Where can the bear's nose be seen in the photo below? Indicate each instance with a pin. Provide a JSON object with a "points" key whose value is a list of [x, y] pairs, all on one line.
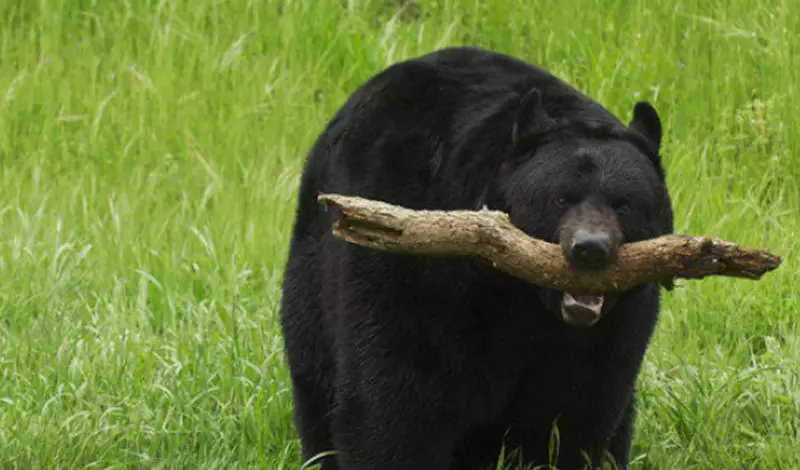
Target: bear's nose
{"points": [[591, 249]]}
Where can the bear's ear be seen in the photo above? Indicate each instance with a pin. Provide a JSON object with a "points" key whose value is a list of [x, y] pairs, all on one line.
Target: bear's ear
{"points": [[645, 121], [531, 116]]}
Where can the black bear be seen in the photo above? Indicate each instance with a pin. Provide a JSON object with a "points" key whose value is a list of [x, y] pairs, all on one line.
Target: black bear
{"points": [[412, 362]]}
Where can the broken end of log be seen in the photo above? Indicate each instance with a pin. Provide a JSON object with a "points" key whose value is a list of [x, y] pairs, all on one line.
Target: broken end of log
{"points": [[721, 257]]}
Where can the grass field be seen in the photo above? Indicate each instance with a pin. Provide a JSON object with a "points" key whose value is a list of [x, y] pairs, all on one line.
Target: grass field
{"points": [[149, 161]]}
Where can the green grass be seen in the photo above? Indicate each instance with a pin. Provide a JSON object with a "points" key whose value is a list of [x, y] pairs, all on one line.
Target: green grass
{"points": [[149, 161]]}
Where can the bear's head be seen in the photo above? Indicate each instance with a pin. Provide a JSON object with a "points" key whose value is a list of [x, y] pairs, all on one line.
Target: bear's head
{"points": [[589, 186]]}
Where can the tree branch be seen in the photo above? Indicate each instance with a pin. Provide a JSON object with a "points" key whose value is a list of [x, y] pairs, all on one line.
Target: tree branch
{"points": [[490, 235]]}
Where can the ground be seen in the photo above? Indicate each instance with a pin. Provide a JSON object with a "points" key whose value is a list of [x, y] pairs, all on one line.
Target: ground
{"points": [[149, 161]]}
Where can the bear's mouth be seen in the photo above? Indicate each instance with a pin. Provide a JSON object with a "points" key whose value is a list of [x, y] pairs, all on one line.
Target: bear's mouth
{"points": [[581, 310]]}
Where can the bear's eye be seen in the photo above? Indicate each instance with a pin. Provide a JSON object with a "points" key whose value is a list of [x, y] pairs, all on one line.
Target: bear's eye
{"points": [[561, 201], [622, 207]]}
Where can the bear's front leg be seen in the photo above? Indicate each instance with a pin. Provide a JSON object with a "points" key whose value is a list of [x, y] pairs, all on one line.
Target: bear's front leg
{"points": [[391, 423], [620, 446], [422, 358]]}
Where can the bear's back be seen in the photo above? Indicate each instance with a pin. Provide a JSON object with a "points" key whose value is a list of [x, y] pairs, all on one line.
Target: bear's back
{"points": [[428, 132]]}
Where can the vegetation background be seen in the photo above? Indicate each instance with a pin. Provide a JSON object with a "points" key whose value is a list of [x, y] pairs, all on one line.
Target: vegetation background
{"points": [[149, 161]]}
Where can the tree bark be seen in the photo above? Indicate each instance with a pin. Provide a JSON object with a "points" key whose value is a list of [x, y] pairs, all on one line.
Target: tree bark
{"points": [[490, 235]]}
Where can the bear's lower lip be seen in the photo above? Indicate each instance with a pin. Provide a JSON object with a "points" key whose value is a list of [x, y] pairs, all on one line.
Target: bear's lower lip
{"points": [[581, 310]]}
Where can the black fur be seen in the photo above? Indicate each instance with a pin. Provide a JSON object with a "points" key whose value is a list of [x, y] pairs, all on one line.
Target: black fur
{"points": [[405, 362]]}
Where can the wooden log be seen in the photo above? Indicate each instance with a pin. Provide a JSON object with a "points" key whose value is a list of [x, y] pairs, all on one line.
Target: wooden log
{"points": [[490, 235]]}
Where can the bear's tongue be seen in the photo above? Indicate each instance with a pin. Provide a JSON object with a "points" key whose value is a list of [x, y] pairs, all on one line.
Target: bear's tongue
{"points": [[582, 309], [590, 301]]}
